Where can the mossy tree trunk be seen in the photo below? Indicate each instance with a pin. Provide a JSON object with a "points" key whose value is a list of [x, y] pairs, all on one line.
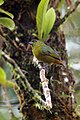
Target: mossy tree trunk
{"points": [[61, 79]]}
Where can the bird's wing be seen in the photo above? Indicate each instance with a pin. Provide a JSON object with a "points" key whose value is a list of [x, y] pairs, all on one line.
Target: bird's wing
{"points": [[46, 50]]}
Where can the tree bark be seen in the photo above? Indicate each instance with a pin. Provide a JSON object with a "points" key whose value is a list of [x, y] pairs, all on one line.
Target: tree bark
{"points": [[61, 80]]}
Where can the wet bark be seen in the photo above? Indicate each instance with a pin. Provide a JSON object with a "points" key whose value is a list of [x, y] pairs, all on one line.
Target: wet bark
{"points": [[61, 90]]}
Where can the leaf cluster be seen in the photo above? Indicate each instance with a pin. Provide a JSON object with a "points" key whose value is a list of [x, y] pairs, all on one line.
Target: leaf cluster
{"points": [[45, 19], [6, 21]]}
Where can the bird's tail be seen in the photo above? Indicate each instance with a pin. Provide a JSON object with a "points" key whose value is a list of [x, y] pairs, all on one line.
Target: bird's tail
{"points": [[59, 62]]}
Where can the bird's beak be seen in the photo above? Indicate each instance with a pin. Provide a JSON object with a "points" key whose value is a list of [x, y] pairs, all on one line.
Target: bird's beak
{"points": [[31, 43]]}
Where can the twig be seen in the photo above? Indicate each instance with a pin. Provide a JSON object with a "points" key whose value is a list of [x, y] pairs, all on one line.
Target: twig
{"points": [[61, 21], [10, 60], [68, 2]]}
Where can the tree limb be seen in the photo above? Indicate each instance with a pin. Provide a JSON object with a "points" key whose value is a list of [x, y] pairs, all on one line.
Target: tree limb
{"points": [[61, 21]]}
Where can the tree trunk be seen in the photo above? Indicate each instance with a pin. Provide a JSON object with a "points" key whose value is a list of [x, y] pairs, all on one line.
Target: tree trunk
{"points": [[61, 80]]}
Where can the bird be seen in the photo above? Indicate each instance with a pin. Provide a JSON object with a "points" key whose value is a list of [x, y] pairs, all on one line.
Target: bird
{"points": [[45, 53]]}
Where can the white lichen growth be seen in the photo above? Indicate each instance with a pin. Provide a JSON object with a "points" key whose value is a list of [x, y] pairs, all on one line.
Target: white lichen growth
{"points": [[44, 82]]}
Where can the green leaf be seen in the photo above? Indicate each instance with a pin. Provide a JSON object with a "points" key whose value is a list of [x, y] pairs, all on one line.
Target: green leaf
{"points": [[77, 109], [2, 75], [49, 19], [7, 13], [1, 2], [3, 80], [2, 116], [7, 22], [35, 35], [42, 8]]}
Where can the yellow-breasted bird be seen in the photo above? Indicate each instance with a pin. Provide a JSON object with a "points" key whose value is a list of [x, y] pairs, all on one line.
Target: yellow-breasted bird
{"points": [[45, 53]]}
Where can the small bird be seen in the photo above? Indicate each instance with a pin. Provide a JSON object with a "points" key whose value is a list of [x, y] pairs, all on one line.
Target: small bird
{"points": [[45, 53]]}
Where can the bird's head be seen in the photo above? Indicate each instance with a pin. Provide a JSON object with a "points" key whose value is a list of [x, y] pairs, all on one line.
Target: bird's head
{"points": [[32, 43]]}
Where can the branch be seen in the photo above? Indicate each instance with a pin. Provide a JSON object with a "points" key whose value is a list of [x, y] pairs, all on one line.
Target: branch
{"points": [[61, 21], [10, 60]]}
